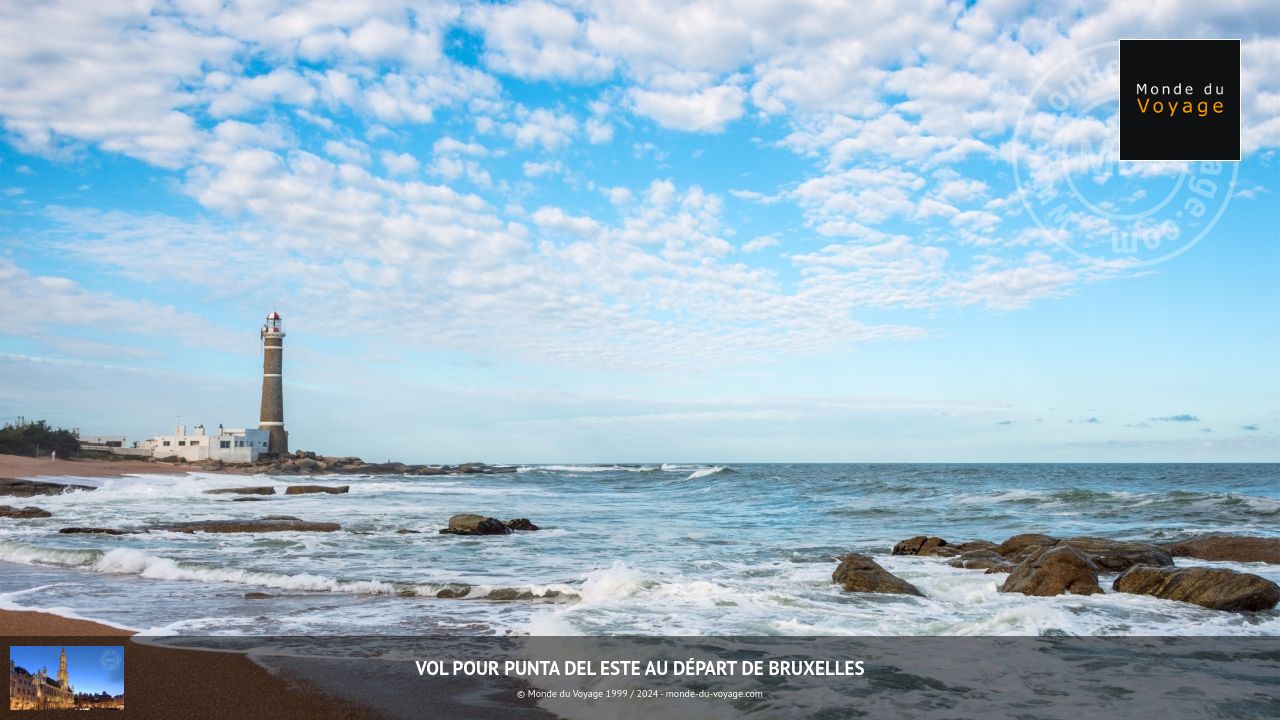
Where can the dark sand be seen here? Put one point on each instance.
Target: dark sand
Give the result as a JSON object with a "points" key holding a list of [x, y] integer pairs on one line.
{"points": [[166, 683], [17, 466]]}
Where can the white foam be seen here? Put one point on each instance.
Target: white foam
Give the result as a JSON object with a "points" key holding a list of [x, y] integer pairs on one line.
{"points": [[704, 472], [615, 581]]}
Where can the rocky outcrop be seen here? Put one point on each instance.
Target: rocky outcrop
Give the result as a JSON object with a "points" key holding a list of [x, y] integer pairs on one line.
{"points": [[23, 513], [931, 546], [859, 573], [473, 524], [94, 531], [1107, 555], [1232, 548], [1213, 588], [310, 489], [255, 490], [982, 560], [924, 545], [31, 488], [1053, 571], [271, 523], [1019, 547], [304, 462], [1119, 555], [508, 594]]}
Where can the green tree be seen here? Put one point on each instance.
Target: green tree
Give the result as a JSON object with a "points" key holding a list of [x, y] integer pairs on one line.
{"points": [[38, 438]]}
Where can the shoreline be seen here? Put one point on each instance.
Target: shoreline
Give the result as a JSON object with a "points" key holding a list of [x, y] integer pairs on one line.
{"points": [[164, 683], [20, 467]]}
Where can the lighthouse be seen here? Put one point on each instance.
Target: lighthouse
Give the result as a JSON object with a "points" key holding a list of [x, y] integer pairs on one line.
{"points": [[272, 416]]}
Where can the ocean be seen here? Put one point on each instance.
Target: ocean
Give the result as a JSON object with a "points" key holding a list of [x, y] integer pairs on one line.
{"points": [[662, 549]]}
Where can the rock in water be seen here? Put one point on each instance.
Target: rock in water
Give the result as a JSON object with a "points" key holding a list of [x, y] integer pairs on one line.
{"points": [[472, 524], [25, 513], [924, 545], [1021, 546], [521, 524], [1054, 571], [29, 488], [93, 531], [859, 573], [271, 523], [1119, 555], [309, 489], [1214, 588], [257, 490], [1235, 548]]}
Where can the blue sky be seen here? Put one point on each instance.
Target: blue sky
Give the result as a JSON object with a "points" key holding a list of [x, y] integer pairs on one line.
{"points": [[642, 231], [85, 667]]}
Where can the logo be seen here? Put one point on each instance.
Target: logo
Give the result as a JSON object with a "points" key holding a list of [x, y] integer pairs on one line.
{"points": [[1082, 196], [1180, 100]]}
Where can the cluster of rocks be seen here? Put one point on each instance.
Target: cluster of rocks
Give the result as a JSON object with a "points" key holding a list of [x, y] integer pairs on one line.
{"points": [[463, 524], [473, 524], [1042, 565], [304, 462], [290, 490]]}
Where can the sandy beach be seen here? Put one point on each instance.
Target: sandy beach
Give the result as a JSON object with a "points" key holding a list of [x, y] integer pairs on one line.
{"points": [[17, 466], [170, 683]]}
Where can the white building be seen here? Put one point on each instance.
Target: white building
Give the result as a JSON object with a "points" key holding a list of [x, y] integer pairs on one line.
{"points": [[239, 445]]}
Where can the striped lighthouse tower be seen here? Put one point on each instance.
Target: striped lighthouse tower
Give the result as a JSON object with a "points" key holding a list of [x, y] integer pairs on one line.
{"points": [[272, 416]]}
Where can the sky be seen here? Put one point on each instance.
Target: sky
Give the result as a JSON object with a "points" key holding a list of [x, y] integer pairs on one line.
{"points": [[638, 231], [88, 669]]}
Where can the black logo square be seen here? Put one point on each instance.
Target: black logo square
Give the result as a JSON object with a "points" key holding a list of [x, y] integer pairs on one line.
{"points": [[1179, 99]]}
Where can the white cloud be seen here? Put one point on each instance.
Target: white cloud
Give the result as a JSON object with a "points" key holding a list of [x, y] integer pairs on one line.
{"points": [[450, 146], [760, 243], [543, 127], [556, 219], [538, 40], [55, 303], [707, 110], [538, 169], [347, 152], [399, 163], [599, 131]]}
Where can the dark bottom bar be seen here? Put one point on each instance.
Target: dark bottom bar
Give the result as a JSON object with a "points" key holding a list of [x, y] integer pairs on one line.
{"points": [[1170, 678]]}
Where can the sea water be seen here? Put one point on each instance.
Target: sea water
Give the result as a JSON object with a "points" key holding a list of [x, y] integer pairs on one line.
{"points": [[626, 549]]}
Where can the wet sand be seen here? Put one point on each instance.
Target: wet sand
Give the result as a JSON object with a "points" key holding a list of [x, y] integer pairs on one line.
{"points": [[17, 466], [166, 683]]}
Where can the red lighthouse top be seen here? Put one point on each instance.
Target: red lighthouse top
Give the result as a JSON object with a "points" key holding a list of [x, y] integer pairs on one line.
{"points": [[272, 326]]}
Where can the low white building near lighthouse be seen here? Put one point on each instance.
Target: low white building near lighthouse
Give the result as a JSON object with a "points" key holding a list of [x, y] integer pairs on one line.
{"points": [[233, 445]]}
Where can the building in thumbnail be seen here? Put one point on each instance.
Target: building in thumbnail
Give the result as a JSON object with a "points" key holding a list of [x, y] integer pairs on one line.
{"points": [[39, 691], [99, 701]]}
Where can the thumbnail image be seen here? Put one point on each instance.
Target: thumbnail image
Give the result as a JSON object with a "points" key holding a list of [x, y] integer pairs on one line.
{"points": [[88, 677]]}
